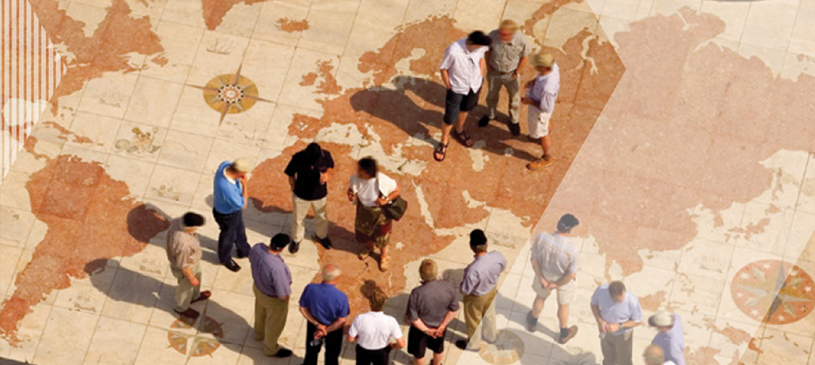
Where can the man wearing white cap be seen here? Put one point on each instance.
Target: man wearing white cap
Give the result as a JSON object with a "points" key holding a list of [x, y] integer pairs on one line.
{"points": [[671, 336], [654, 355], [541, 94], [229, 200]]}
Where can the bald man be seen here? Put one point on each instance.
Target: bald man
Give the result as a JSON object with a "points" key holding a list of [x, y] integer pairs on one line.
{"points": [[654, 355], [326, 309]]}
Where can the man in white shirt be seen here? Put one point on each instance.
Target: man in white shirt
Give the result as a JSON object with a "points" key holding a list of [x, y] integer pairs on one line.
{"points": [[541, 94], [373, 331], [462, 70], [654, 355]]}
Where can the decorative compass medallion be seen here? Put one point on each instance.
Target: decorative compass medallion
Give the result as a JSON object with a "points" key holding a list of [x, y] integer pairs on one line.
{"points": [[230, 94], [773, 292], [201, 338], [507, 349]]}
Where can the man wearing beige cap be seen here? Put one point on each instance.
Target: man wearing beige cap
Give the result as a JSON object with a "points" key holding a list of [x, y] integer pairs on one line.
{"points": [[229, 201], [671, 336], [506, 58], [541, 94]]}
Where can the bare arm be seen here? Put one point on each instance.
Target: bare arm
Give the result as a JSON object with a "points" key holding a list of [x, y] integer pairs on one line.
{"points": [[190, 276], [521, 65], [291, 182], [601, 324], [400, 343], [336, 325], [565, 279], [483, 65], [445, 76]]}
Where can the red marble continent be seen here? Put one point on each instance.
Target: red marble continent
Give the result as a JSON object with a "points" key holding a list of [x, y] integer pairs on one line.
{"points": [[90, 217]]}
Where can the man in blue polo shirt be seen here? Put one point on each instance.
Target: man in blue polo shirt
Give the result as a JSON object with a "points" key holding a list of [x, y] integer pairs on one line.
{"points": [[617, 312], [229, 200], [326, 310]]}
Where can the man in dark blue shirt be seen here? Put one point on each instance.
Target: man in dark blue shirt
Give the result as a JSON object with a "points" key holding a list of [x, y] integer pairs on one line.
{"points": [[326, 310]]}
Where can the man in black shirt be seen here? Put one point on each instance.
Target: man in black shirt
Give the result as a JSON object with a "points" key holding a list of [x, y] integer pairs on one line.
{"points": [[309, 171]]}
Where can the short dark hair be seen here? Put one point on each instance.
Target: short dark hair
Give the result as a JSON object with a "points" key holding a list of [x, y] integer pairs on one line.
{"points": [[478, 241], [567, 222], [616, 288], [378, 299], [368, 164], [280, 241], [479, 38], [191, 219], [313, 152]]}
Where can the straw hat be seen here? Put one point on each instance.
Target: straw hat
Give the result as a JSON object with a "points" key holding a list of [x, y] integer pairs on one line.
{"points": [[661, 319], [542, 59], [242, 165]]}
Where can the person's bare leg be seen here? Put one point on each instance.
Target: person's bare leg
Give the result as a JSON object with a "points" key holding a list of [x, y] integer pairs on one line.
{"points": [[546, 144], [438, 358], [462, 117], [537, 307], [384, 252], [418, 361], [445, 133], [563, 315]]}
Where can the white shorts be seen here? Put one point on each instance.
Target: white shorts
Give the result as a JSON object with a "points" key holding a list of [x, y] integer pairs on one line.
{"points": [[565, 293], [538, 122]]}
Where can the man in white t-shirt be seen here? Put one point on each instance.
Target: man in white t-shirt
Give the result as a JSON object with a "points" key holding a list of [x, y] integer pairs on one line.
{"points": [[462, 71], [373, 331]]}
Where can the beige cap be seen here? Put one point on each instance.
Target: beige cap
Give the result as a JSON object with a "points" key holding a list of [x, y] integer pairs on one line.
{"points": [[661, 319], [242, 165], [542, 59]]}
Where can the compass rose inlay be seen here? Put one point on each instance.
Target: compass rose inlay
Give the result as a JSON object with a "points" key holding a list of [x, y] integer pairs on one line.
{"points": [[230, 94], [773, 292]]}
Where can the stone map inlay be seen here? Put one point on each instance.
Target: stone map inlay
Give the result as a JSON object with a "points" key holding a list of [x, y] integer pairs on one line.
{"points": [[682, 134]]}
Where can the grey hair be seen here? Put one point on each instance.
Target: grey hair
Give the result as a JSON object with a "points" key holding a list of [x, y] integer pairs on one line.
{"points": [[654, 355], [330, 272]]}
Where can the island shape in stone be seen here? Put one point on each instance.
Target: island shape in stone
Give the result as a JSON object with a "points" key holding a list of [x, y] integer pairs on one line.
{"points": [[414, 109], [90, 218]]}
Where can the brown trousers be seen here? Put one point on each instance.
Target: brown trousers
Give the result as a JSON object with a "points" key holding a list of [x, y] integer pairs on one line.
{"points": [[478, 310], [270, 319]]}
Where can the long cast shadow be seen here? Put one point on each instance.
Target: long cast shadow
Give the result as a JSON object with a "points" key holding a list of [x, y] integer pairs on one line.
{"points": [[399, 108]]}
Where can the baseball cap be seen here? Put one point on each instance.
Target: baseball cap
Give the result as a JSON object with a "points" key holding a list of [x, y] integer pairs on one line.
{"points": [[242, 165]]}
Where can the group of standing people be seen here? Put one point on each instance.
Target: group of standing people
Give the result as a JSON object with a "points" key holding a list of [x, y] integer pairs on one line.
{"points": [[616, 310], [500, 57]]}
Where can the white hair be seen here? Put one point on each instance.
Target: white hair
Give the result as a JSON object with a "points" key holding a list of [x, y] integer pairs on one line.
{"points": [[330, 272]]}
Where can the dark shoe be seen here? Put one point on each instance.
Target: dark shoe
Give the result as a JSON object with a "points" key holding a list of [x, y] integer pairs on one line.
{"points": [[283, 352], [531, 322], [484, 121], [189, 313], [233, 266], [204, 295], [461, 344], [326, 242], [294, 247], [241, 255], [572, 333], [515, 129]]}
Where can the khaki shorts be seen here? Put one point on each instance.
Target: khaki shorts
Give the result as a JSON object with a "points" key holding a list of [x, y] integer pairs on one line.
{"points": [[538, 122], [565, 293]]}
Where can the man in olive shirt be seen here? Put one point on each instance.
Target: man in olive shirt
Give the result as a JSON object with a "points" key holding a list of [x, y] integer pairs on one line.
{"points": [[505, 60], [431, 307], [184, 253]]}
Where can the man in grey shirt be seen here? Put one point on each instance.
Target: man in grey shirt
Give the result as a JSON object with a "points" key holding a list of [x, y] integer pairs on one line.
{"points": [[505, 60], [431, 307], [480, 285], [272, 279]]}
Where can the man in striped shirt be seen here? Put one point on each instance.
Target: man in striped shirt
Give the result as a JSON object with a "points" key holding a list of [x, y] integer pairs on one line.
{"points": [[184, 254]]}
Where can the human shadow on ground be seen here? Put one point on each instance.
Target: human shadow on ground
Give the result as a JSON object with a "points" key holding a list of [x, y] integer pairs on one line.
{"points": [[398, 107], [225, 326]]}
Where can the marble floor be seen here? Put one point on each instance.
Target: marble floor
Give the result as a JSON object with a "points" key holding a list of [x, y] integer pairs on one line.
{"points": [[683, 140]]}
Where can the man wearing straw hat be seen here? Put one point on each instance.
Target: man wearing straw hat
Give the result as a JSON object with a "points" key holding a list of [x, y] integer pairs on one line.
{"points": [[506, 59], [671, 335], [541, 94], [229, 200]]}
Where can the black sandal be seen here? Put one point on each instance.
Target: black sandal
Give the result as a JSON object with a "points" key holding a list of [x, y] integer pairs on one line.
{"points": [[441, 150], [464, 138]]}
